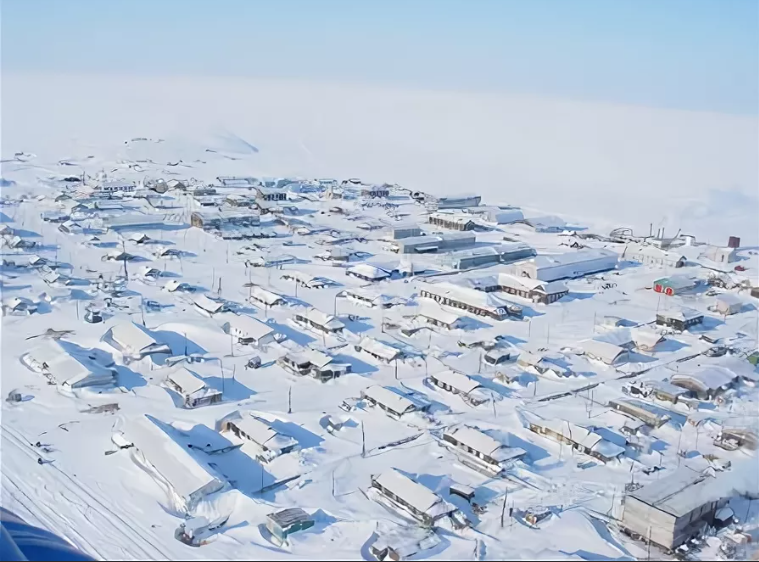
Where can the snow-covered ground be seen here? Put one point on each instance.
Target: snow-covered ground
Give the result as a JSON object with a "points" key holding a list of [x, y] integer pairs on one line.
{"points": [[599, 167]]}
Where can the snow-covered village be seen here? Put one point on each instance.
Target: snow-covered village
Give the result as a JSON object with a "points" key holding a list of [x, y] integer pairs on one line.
{"points": [[203, 363]]}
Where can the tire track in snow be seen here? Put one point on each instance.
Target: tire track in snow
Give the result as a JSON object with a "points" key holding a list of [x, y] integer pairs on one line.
{"points": [[95, 505]]}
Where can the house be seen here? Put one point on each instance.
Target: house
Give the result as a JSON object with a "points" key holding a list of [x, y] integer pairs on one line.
{"points": [[192, 389], [165, 252], [727, 304], [578, 438], [568, 265], [247, 329], [173, 285], [541, 365], [271, 443], [392, 401], [707, 383], [284, 523], [403, 493], [441, 242], [398, 232], [18, 243], [646, 339], [673, 509], [367, 272], [471, 300], [433, 314], [666, 391], [138, 237], [207, 201], [606, 352], [639, 410], [379, 350], [458, 383], [545, 292], [674, 285], [720, 255], [118, 255], [549, 223], [264, 297], [79, 369], [488, 255], [133, 342], [653, 256], [456, 202], [148, 272], [336, 255], [313, 363], [483, 450], [236, 200], [319, 321], [209, 306], [19, 306], [55, 216], [135, 221], [216, 220], [370, 298], [238, 181], [496, 356], [270, 194], [111, 187], [171, 464], [679, 319], [451, 221]]}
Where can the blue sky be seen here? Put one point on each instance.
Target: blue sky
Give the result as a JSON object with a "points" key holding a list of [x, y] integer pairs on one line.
{"points": [[685, 54]]}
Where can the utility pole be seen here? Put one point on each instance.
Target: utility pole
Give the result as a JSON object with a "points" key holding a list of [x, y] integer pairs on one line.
{"points": [[290, 400], [503, 508], [363, 440]]}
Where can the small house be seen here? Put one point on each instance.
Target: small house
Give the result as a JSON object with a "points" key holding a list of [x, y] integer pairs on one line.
{"points": [[270, 194], [192, 389], [264, 297], [646, 339], [606, 352], [458, 383], [679, 319], [675, 285], [402, 492], [133, 341], [284, 523], [173, 285], [433, 314], [271, 443], [379, 350], [720, 255], [496, 356], [638, 410], [209, 306], [727, 304], [395, 403], [399, 232], [545, 292], [666, 391], [577, 437], [19, 306], [139, 238], [367, 272], [319, 321], [313, 363], [247, 330], [479, 447]]}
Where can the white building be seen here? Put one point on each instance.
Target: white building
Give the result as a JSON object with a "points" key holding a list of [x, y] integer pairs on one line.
{"points": [[720, 255], [604, 351], [578, 438], [392, 401], [402, 492], [651, 255], [485, 451], [727, 304], [367, 272], [247, 329], [269, 441], [132, 341], [319, 321], [171, 464], [313, 363], [208, 306], [379, 350], [568, 265], [264, 297], [433, 314], [193, 390], [458, 383], [471, 300]]}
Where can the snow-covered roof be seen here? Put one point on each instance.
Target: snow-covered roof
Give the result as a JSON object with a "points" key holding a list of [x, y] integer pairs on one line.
{"points": [[483, 443], [130, 337], [677, 494], [433, 311], [582, 436], [419, 497], [187, 381], [728, 299], [172, 461], [379, 348], [457, 381], [390, 398], [676, 282], [323, 319], [646, 338], [529, 284], [573, 258], [684, 314], [468, 296], [75, 371], [369, 271], [634, 250], [708, 378], [248, 326], [451, 217], [619, 337], [263, 434], [609, 353], [435, 239], [207, 304], [264, 295], [312, 356]]}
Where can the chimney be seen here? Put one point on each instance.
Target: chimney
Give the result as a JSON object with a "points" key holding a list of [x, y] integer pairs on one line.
{"points": [[734, 242]]}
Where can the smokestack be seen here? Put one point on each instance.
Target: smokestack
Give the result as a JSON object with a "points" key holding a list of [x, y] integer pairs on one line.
{"points": [[734, 242]]}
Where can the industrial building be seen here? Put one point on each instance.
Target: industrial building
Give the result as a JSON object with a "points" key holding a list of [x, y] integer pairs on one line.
{"points": [[488, 255], [442, 242], [568, 265]]}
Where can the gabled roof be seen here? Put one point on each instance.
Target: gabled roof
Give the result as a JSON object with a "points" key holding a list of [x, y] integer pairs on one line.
{"points": [[207, 304], [390, 398], [379, 348], [264, 295], [419, 497], [323, 319], [130, 337], [187, 381], [482, 443], [677, 494], [433, 311], [370, 271], [248, 325], [263, 434], [470, 297], [683, 314], [708, 378], [312, 356], [457, 381], [609, 353]]}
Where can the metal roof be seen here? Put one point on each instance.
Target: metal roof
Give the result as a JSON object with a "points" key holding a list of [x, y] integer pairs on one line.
{"points": [[419, 497], [390, 398], [677, 494], [457, 381]]}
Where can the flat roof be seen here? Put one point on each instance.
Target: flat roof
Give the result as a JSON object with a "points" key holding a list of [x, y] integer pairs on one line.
{"points": [[677, 494]]}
